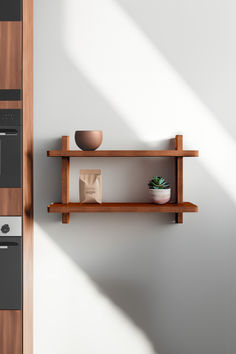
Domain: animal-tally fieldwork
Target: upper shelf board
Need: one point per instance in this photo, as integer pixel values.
(123, 153)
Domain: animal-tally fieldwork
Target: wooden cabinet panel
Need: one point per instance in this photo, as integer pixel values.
(10, 202)
(11, 105)
(11, 55)
(10, 332)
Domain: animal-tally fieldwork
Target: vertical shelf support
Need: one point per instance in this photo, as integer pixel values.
(179, 177)
(65, 180)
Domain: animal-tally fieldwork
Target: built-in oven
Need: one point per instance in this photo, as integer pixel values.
(10, 263)
(10, 148)
(10, 10)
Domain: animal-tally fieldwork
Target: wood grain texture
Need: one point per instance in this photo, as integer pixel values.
(179, 177)
(11, 55)
(65, 182)
(11, 104)
(10, 201)
(122, 208)
(122, 153)
(10, 332)
(27, 176)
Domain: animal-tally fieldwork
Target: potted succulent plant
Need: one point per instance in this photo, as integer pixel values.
(159, 190)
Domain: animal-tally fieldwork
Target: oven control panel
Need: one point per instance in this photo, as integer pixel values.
(10, 226)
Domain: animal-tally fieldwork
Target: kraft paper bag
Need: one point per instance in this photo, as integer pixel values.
(90, 186)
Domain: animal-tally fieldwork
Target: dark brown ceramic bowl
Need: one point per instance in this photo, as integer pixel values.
(88, 140)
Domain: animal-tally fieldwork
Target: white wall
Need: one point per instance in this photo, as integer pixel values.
(141, 71)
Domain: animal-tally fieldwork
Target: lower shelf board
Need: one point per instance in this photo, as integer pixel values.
(184, 207)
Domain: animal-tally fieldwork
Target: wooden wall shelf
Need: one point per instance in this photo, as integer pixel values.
(123, 153)
(122, 208)
(179, 207)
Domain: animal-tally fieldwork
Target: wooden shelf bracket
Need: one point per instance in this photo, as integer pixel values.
(65, 179)
(179, 177)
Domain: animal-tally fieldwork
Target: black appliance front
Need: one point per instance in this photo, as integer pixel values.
(10, 10)
(10, 273)
(10, 148)
(10, 95)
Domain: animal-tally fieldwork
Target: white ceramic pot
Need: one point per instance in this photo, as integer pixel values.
(160, 196)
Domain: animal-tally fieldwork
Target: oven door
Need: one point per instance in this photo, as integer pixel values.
(10, 157)
(10, 273)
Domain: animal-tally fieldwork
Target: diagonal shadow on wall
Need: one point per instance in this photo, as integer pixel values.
(196, 37)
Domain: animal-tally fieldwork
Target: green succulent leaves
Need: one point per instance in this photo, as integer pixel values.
(158, 183)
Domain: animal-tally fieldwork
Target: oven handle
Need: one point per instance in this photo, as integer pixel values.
(8, 132)
(6, 245)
